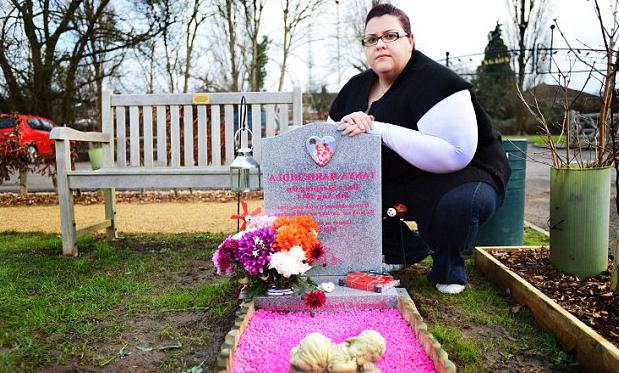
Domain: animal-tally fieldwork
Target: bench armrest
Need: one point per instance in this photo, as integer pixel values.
(66, 133)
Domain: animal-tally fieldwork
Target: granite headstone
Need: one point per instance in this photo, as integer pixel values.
(336, 179)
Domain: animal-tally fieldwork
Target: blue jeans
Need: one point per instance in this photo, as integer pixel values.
(454, 228)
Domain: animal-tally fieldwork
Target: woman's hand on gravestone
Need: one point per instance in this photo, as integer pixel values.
(355, 123)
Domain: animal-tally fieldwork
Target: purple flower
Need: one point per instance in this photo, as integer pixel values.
(224, 256)
(254, 250)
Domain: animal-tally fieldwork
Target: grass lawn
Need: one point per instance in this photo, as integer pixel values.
(153, 303)
(150, 301)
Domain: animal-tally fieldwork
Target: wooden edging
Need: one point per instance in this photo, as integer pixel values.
(226, 352)
(430, 345)
(405, 306)
(594, 352)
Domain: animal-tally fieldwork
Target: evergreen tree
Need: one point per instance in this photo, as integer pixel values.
(261, 61)
(495, 82)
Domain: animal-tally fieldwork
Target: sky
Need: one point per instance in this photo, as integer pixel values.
(460, 27)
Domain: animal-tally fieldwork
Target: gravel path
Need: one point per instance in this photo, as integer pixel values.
(131, 217)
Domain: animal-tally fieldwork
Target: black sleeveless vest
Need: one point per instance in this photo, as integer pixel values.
(421, 85)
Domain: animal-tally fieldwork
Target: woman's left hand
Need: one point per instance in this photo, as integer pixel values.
(355, 123)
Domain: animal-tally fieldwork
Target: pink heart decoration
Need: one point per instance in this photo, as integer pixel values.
(321, 149)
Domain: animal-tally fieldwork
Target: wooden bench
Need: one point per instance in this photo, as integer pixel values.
(164, 141)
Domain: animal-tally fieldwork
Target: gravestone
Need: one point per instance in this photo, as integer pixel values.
(336, 179)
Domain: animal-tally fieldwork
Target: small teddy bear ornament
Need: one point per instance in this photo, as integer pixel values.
(399, 210)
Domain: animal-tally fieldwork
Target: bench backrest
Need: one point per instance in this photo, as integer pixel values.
(190, 130)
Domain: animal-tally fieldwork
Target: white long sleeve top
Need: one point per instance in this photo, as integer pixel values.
(446, 139)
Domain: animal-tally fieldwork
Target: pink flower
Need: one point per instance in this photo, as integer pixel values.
(223, 262)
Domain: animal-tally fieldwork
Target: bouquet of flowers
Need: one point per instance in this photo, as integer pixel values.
(271, 252)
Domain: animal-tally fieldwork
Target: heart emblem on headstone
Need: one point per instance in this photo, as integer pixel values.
(321, 149)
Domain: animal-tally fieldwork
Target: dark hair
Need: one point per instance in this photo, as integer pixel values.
(388, 9)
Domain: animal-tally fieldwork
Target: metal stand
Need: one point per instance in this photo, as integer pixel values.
(238, 211)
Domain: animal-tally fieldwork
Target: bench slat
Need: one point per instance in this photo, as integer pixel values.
(175, 137)
(107, 126)
(283, 118)
(188, 135)
(222, 98)
(256, 129)
(229, 133)
(148, 136)
(297, 107)
(215, 135)
(121, 151)
(270, 109)
(134, 136)
(162, 148)
(202, 144)
(220, 180)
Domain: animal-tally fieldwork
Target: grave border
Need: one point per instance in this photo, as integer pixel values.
(405, 306)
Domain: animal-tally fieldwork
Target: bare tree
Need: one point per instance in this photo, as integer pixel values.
(358, 10)
(294, 13)
(252, 10)
(606, 154)
(229, 13)
(170, 42)
(528, 21)
(196, 19)
(47, 49)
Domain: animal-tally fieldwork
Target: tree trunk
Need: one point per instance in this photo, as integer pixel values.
(23, 183)
(234, 86)
(286, 48)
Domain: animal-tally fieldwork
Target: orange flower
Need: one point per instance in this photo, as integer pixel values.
(306, 222)
(300, 230)
(281, 221)
(293, 235)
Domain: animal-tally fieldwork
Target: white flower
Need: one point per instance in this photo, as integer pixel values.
(240, 235)
(255, 253)
(261, 222)
(289, 263)
(327, 287)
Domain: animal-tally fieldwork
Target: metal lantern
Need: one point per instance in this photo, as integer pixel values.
(244, 165)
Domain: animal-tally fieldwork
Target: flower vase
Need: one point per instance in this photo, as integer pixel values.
(281, 286)
(277, 291)
(243, 292)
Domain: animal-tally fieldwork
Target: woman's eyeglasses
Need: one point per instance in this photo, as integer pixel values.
(387, 37)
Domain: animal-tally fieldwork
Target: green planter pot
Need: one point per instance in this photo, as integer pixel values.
(506, 227)
(96, 158)
(579, 219)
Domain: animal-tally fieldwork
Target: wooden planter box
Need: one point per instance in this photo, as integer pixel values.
(594, 352)
(405, 306)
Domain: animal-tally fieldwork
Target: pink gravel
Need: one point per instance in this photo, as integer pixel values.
(266, 342)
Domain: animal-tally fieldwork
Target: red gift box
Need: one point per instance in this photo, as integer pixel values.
(368, 281)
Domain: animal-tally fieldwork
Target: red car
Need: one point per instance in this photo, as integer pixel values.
(34, 132)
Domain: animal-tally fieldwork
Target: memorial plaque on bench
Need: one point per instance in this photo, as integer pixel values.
(336, 179)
